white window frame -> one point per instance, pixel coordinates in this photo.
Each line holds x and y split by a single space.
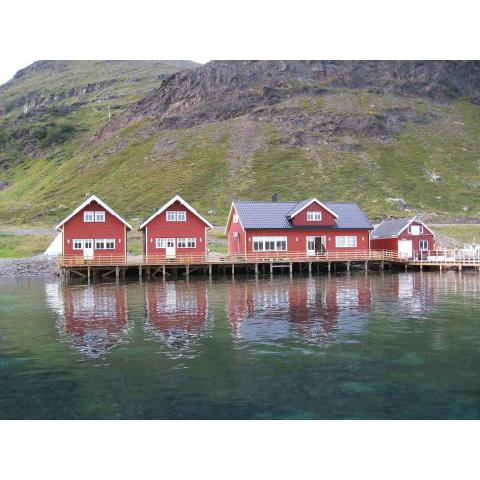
314 216
88 213
160 243
343 239
235 218
423 242
104 242
420 229
181 242
263 240
99 213
77 240
181 216
172 214
191 242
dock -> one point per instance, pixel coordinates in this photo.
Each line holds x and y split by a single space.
154 266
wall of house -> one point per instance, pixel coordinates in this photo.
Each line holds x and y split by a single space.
390 244
76 228
426 235
235 245
160 228
297 239
301 219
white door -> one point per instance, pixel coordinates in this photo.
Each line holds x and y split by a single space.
87 249
170 247
310 245
405 248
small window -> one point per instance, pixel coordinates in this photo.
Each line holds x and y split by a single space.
88 217
181 243
100 216
314 216
346 241
235 218
110 244
99 244
160 243
191 242
181 216
171 216
77 244
423 244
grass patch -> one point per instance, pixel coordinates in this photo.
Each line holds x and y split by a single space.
22 246
464 233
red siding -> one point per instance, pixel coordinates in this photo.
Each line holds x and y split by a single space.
160 228
76 228
301 218
297 239
235 245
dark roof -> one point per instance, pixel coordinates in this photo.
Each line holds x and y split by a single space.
275 214
390 228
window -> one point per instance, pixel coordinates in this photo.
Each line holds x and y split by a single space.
88 217
191 242
345 242
99 244
181 216
235 218
77 244
314 216
171 216
105 244
181 243
423 244
269 244
99 216
159 243
186 242
415 229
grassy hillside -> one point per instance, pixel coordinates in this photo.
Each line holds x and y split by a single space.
429 159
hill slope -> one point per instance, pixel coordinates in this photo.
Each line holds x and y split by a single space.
397 137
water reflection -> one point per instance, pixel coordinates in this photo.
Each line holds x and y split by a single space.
93 319
176 312
313 307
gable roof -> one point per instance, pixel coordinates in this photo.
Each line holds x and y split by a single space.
394 227
168 204
303 205
276 214
93 198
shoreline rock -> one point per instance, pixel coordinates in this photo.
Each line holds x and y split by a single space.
29 267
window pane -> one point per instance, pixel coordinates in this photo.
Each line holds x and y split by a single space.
99 216
171 216
88 216
181 216
99 244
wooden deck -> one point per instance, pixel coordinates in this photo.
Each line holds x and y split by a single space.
266 262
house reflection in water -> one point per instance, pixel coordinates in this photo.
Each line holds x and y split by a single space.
176 312
314 307
94 319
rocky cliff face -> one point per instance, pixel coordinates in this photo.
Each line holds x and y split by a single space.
222 90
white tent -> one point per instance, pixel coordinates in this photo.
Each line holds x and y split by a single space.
55 248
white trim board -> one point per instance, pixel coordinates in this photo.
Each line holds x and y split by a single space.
89 200
171 202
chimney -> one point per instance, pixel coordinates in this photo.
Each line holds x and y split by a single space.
274 197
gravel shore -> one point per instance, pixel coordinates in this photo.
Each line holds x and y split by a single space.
29 267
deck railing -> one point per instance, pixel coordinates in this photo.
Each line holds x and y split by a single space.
199 259
447 257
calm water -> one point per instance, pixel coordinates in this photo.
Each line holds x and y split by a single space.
350 346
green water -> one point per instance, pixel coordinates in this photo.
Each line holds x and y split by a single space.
393 346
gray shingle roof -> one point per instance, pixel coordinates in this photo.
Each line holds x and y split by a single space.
390 228
275 214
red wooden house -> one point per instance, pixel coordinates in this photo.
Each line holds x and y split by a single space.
175 230
406 236
94 230
308 227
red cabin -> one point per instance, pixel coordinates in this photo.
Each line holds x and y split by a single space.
406 236
175 230
308 227
93 230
